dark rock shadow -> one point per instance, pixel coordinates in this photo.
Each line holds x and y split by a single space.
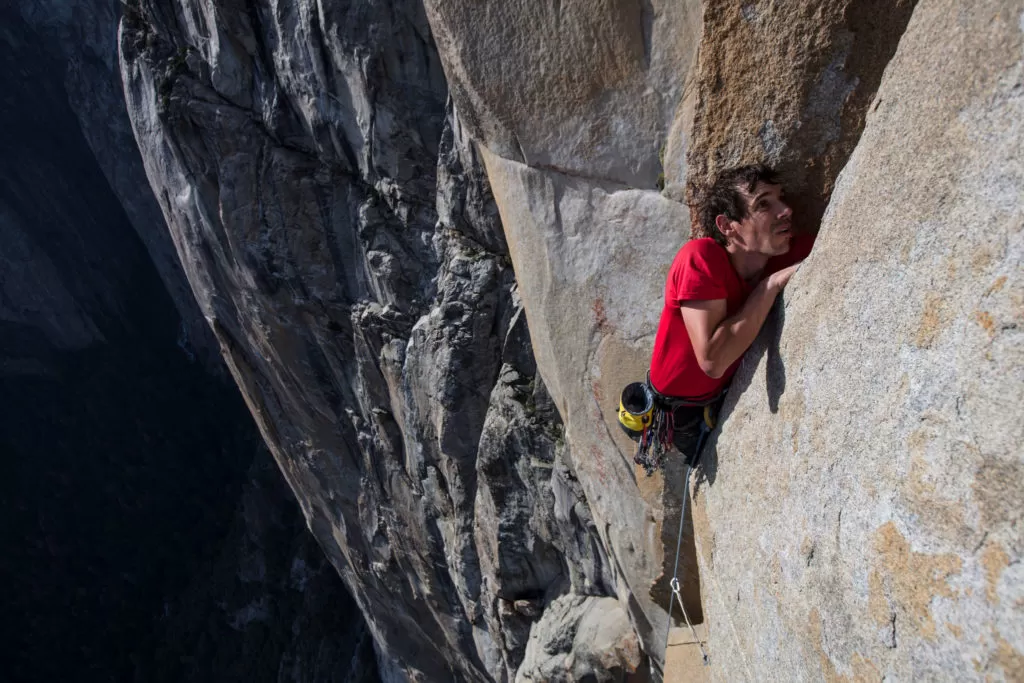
767 342
674 470
775 369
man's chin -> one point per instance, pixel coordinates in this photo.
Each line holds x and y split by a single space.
783 248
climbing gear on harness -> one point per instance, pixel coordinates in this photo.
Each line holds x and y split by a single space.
651 419
705 428
655 440
636 409
709 418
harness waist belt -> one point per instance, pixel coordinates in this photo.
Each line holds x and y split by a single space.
673 402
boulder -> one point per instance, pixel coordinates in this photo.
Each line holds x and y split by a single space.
581 638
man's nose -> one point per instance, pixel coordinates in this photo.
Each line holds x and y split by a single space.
784 210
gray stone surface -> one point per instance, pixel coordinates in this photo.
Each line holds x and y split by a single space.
581 639
335 222
591 283
590 254
584 87
330 206
861 516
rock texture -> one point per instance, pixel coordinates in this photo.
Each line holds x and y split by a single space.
565 646
787 83
590 248
338 231
885 415
321 169
583 87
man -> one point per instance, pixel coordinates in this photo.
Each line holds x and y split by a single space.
720 288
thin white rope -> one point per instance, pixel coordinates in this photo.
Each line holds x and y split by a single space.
675 569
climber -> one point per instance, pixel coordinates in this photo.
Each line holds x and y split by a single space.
720 288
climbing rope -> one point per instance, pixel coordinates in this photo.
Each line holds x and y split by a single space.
705 429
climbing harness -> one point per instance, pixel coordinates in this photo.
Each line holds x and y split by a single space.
649 418
707 425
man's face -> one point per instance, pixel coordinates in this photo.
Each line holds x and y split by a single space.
768 227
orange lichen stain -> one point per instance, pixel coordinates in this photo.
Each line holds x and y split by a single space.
997 285
1010 660
957 631
932 321
986 320
951 268
994 559
828 669
907 580
863 669
878 604
945 516
981 260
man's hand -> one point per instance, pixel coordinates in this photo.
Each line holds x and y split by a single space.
780 278
719 341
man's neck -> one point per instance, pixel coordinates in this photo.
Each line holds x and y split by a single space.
748 265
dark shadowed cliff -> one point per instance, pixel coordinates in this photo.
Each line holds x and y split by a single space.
148 535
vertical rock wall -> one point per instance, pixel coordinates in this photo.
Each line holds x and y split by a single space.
333 218
339 233
784 82
787 83
877 435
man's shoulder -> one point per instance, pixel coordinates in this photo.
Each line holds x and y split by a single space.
700 271
702 250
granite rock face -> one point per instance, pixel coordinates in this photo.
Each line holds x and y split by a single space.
885 413
583 87
787 83
339 233
581 639
369 222
590 247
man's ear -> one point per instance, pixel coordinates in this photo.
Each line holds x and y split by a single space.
723 224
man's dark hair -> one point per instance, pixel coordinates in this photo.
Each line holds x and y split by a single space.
723 197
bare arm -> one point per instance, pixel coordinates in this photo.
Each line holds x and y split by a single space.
718 341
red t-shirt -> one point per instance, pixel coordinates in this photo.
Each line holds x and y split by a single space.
702 271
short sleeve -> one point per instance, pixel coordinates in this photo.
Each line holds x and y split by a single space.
698 273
